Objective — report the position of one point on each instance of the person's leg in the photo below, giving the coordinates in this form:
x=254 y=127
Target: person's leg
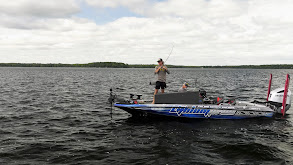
x=163 y=86
x=156 y=91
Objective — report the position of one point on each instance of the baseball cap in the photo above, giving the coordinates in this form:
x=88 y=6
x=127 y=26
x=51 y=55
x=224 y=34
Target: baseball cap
x=159 y=60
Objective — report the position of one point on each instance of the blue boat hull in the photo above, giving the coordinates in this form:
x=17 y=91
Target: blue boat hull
x=194 y=111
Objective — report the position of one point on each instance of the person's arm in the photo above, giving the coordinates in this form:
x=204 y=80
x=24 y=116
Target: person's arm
x=157 y=69
x=166 y=69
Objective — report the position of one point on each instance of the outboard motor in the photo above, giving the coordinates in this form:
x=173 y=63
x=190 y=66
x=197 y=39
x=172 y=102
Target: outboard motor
x=276 y=98
x=280 y=98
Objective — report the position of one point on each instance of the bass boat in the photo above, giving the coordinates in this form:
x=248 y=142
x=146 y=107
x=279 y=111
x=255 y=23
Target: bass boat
x=196 y=104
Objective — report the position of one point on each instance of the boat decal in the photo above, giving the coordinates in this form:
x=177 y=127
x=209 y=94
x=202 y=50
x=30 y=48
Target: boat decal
x=254 y=108
x=184 y=110
x=220 y=112
x=251 y=113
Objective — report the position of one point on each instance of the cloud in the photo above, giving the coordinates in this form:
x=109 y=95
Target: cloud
x=116 y=3
x=198 y=8
x=204 y=32
x=37 y=8
x=35 y=14
x=182 y=8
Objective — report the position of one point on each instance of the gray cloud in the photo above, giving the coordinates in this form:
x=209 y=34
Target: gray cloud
x=37 y=8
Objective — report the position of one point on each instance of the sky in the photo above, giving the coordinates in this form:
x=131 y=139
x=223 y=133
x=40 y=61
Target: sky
x=203 y=32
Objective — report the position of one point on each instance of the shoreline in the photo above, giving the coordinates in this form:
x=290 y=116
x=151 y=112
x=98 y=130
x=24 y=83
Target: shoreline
x=123 y=65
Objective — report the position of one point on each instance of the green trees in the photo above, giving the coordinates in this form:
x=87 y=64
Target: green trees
x=123 y=65
x=107 y=65
x=277 y=66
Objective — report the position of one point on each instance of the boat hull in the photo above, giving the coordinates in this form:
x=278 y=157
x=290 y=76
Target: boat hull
x=197 y=111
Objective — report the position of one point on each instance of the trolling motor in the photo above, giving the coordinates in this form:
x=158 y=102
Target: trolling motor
x=114 y=98
x=111 y=99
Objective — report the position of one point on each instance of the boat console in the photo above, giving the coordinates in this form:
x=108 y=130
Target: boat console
x=179 y=98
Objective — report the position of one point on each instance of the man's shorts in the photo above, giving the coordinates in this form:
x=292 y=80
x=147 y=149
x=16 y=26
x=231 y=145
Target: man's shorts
x=161 y=85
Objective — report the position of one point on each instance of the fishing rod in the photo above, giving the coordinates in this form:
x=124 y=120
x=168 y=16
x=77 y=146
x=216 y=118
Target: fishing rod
x=169 y=54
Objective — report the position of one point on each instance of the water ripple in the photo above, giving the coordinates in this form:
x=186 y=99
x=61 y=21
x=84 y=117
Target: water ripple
x=60 y=116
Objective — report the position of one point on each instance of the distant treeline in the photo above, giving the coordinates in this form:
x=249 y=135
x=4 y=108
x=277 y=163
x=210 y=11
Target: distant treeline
x=279 y=66
x=94 y=64
x=123 y=65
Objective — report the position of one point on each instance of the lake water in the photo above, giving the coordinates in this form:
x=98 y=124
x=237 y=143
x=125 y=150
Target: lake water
x=61 y=116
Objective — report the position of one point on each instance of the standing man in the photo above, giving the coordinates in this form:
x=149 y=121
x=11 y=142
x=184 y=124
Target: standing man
x=161 y=71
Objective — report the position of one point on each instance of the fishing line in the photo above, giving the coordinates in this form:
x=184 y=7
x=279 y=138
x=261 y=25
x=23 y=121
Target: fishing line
x=169 y=54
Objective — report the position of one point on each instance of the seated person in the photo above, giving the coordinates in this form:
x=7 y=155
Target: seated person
x=184 y=87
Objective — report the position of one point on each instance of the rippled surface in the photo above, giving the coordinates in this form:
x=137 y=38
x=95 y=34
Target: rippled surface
x=60 y=116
